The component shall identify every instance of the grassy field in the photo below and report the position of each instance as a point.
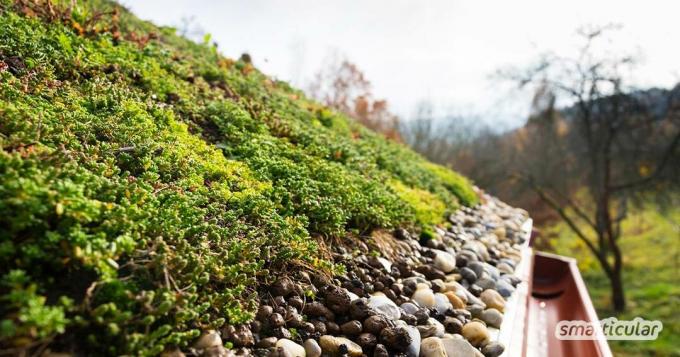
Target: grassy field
(651, 244)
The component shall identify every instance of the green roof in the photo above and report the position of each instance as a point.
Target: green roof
(149, 184)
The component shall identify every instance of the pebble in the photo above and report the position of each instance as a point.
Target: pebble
(458, 347)
(413, 281)
(380, 351)
(396, 338)
(442, 303)
(504, 268)
(475, 310)
(319, 327)
(337, 299)
(430, 272)
(477, 267)
(422, 315)
(409, 308)
(504, 288)
(367, 340)
(376, 323)
(455, 301)
(359, 309)
(296, 302)
(281, 332)
(493, 349)
(317, 309)
(339, 346)
(432, 347)
(492, 299)
(493, 271)
(409, 319)
(351, 328)
(283, 287)
(444, 261)
(385, 263)
(492, 317)
(209, 338)
(402, 234)
(475, 290)
(276, 320)
(332, 328)
(453, 325)
(263, 312)
(291, 348)
(312, 348)
(432, 328)
(424, 296)
(267, 342)
(486, 283)
(438, 285)
(413, 350)
(381, 304)
(352, 296)
(476, 333)
(468, 274)
(217, 351)
(240, 335)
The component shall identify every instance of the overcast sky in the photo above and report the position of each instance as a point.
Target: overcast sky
(443, 51)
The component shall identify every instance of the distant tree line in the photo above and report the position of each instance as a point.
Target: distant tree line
(613, 145)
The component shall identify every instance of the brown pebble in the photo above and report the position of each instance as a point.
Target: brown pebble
(276, 320)
(380, 351)
(267, 342)
(351, 328)
(283, 286)
(376, 323)
(367, 340)
(337, 299)
(296, 302)
(453, 325)
(263, 312)
(319, 327)
(332, 328)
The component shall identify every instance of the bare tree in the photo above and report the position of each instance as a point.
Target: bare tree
(341, 85)
(190, 28)
(616, 144)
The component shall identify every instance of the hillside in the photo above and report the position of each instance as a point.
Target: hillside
(151, 190)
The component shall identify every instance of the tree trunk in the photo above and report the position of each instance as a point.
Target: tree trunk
(618, 297)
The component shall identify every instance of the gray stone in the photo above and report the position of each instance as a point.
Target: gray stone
(442, 303)
(492, 317)
(458, 347)
(493, 349)
(383, 305)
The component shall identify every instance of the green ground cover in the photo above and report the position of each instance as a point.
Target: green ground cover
(148, 184)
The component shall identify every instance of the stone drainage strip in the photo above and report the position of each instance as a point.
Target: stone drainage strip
(462, 291)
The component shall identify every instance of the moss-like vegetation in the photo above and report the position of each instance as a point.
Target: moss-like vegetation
(148, 184)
